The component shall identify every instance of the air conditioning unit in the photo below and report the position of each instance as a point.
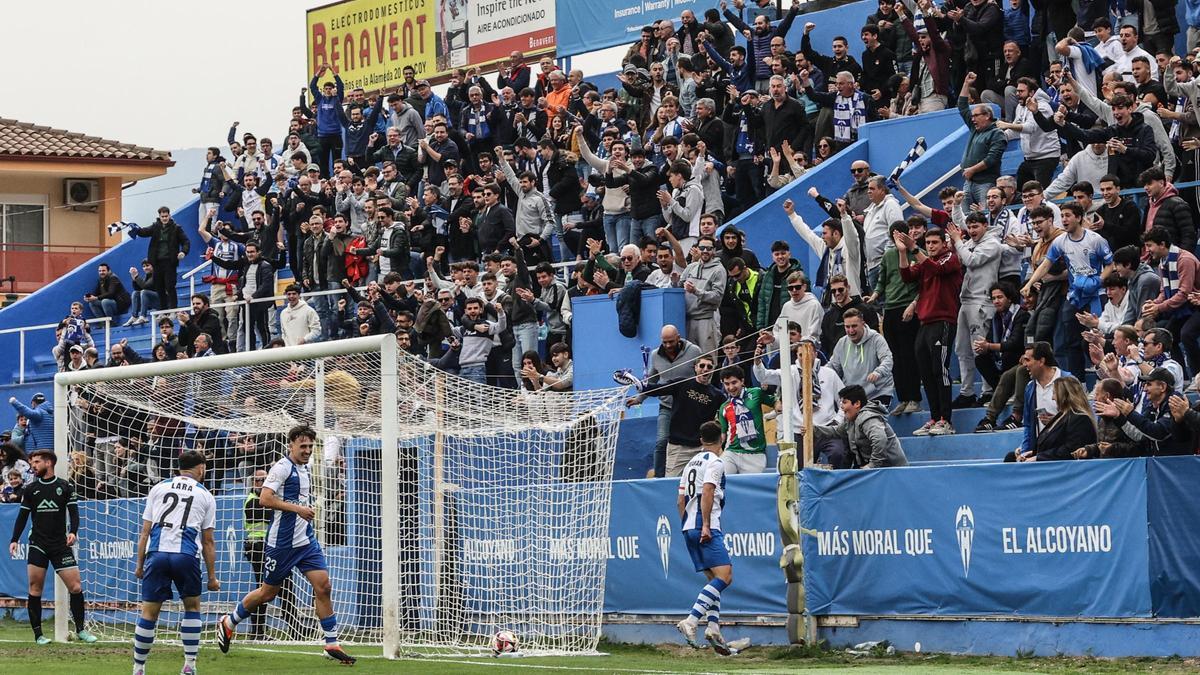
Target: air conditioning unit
(81, 192)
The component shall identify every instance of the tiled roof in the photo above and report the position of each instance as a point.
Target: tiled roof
(21, 139)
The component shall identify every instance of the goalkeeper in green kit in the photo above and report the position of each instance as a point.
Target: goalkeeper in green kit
(741, 420)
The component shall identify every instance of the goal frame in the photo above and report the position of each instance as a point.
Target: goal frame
(384, 345)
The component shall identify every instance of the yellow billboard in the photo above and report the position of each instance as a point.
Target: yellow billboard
(370, 42)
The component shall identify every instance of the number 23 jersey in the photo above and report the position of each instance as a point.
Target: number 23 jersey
(179, 509)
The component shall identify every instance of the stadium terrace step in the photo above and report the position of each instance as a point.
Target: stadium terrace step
(964, 421)
(963, 446)
(955, 462)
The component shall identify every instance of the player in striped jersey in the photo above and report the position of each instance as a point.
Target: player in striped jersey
(701, 499)
(291, 544)
(177, 526)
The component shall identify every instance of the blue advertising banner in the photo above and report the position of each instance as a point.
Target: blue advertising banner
(1054, 539)
(596, 24)
(649, 570)
(107, 552)
(1174, 549)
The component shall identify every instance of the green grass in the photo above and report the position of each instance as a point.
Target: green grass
(19, 654)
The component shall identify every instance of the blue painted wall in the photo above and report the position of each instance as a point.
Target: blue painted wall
(597, 344)
(53, 302)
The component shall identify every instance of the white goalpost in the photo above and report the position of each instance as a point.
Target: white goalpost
(447, 510)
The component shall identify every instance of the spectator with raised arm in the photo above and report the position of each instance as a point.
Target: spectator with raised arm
(327, 101)
(168, 245)
(145, 298)
(761, 35)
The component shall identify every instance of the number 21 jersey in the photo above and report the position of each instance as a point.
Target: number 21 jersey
(180, 509)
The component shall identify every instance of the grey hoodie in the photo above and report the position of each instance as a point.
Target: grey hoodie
(1143, 285)
(869, 438)
(854, 362)
(709, 278)
(981, 267)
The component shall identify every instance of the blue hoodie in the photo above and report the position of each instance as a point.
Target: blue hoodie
(329, 108)
(1191, 13)
(40, 435)
(1016, 24)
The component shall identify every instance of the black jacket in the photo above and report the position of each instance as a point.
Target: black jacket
(712, 132)
(732, 115)
(311, 248)
(1012, 346)
(496, 227)
(111, 288)
(787, 123)
(395, 249)
(1174, 215)
(564, 184)
(1008, 78)
(1139, 142)
(1064, 434)
(833, 325)
(167, 241)
(644, 184)
(265, 279)
(1160, 434)
(204, 322)
(332, 258)
(877, 67)
(1122, 225)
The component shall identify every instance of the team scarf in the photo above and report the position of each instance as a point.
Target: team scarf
(1176, 126)
(1169, 270)
(848, 115)
(917, 150)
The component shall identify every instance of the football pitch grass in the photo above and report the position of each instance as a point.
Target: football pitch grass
(18, 654)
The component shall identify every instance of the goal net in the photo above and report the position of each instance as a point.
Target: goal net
(447, 510)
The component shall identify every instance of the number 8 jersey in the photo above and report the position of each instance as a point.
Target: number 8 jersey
(180, 509)
(704, 468)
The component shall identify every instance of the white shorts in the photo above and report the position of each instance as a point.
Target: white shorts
(742, 462)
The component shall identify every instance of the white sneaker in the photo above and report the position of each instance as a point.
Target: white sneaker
(1194, 386)
(941, 428)
(925, 429)
(688, 628)
(132, 320)
(188, 669)
(142, 320)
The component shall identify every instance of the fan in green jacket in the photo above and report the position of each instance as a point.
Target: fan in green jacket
(741, 417)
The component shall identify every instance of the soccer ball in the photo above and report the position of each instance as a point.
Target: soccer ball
(504, 642)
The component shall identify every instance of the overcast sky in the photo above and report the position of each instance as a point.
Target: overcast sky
(165, 74)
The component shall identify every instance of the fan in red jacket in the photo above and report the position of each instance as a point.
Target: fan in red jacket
(939, 276)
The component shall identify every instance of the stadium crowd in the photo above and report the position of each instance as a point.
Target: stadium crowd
(479, 192)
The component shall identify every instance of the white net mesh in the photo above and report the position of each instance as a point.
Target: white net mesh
(502, 498)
